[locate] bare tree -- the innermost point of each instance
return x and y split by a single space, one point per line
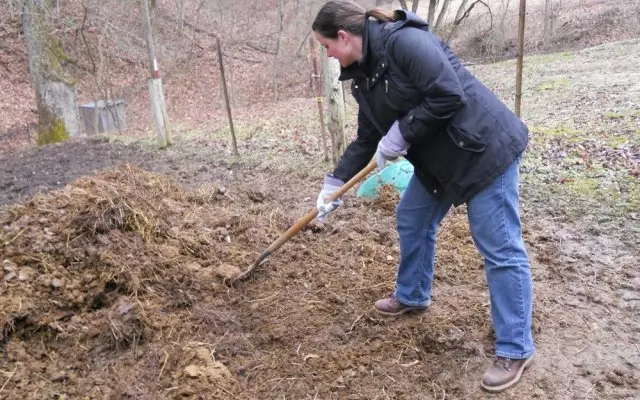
414 6
432 11
504 15
58 116
442 15
181 14
548 21
464 12
225 92
278 46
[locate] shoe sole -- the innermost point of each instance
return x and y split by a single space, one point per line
405 310
516 379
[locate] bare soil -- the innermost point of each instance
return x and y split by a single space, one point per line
115 257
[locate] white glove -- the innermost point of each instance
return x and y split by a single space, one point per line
330 185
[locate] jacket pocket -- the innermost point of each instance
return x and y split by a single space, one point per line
465 140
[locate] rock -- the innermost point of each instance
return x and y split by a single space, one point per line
258 195
59 377
124 305
9 276
170 252
217 372
227 271
9 266
26 274
204 354
57 283
192 371
193 266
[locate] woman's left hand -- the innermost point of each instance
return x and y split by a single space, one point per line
391 146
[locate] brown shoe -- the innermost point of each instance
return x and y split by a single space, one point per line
503 373
391 307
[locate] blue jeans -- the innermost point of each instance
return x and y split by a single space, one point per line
495 227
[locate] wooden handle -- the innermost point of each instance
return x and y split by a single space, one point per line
302 222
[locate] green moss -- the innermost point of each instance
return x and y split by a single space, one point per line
554 84
54 133
55 56
562 56
613 115
632 195
617 142
583 186
556 131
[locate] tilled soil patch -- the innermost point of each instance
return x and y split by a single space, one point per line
115 287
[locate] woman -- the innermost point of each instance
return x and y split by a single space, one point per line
416 100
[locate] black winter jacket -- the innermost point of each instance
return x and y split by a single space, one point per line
461 136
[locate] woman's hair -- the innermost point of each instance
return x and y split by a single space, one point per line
346 15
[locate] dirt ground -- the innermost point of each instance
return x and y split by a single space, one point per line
115 257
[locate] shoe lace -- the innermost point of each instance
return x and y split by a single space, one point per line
503 362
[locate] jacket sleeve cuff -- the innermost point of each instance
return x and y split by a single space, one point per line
405 125
329 179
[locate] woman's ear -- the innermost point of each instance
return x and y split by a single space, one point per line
343 35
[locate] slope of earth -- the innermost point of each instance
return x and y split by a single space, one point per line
113 284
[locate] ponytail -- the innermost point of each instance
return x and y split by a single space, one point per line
381 15
338 15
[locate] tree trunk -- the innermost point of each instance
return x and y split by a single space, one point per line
278 46
442 15
432 12
58 115
414 6
226 98
504 17
181 15
457 20
548 21
315 82
335 104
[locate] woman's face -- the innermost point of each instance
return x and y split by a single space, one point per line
346 47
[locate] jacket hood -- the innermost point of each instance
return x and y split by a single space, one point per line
374 39
406 18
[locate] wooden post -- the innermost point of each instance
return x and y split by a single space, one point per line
318 94
226 98
156 94
335 106
523 4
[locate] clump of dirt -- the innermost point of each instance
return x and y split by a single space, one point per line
386 198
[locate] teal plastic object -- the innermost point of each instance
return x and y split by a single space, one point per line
396 174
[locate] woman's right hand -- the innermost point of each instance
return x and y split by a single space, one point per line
330 185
